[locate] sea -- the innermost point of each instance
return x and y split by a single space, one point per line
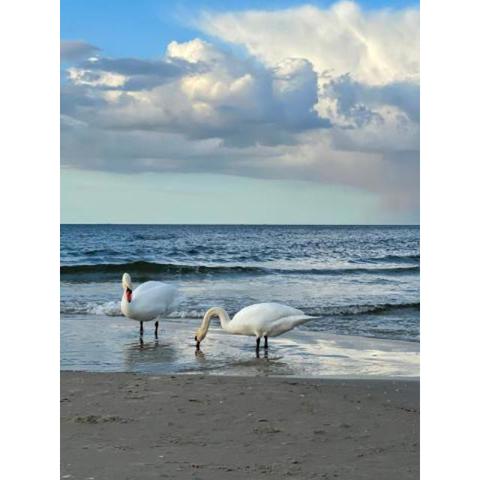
359 282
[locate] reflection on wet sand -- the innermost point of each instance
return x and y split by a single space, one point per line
140 354
199 354
253 363
211 361
264 364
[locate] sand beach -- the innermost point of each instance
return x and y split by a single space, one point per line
137 426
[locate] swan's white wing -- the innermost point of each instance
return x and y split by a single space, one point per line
153 299
267 312
147 286
262 317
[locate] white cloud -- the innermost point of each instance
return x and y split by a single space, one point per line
375 47
195 51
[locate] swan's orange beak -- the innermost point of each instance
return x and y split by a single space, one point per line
128 294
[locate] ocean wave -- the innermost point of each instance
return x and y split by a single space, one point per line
146 270
360 270
141 267
112 309
361 309
402 259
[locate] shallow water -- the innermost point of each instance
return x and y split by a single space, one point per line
102 343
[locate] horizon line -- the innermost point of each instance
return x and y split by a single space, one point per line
255 224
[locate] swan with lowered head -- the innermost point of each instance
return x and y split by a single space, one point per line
258 320
148 301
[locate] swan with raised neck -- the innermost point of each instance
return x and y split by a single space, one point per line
147 302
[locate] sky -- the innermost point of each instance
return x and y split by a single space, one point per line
240 112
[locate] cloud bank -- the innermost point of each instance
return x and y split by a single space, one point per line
327 95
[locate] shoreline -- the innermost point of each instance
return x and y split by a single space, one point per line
132 425
114 347
323 378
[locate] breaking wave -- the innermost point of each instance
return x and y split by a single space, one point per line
148 270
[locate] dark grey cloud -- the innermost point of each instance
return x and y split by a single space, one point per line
75 99
141 74
394 176
75 50
357 101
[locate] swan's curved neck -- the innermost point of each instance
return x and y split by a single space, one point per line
212 312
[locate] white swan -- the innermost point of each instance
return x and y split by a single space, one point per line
259 320
148 301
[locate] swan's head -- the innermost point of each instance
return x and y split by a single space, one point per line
127 286
126 281
200 335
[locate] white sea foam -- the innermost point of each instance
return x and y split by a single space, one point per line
112 309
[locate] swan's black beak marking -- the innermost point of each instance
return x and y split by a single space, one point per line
129 295
198 343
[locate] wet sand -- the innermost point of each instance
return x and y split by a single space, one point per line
101 343
131 426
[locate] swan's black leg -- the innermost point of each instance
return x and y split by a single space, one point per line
156 329
141 328
266 342
258 346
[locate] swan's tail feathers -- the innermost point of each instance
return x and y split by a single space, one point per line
285 324
300 319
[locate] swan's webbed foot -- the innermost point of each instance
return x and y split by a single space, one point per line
156 329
